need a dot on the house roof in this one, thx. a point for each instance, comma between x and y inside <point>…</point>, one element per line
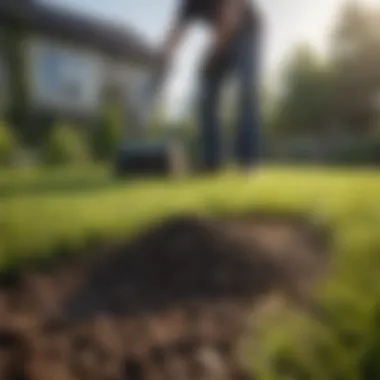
<point>109,38</point>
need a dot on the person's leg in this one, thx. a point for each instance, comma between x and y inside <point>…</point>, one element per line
<point>247,57</point>
<point>209,120</point>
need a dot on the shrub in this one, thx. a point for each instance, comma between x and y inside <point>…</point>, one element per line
<point>376,128</point>
<point>108,134</point>
<point>365,152</point>
<point>8,144</point>
<point>66,145</point>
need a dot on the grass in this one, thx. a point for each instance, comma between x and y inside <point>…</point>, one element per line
<point>45,212</point>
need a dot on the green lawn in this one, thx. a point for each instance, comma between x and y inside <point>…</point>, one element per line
<point>46,212</point>
<point>42,211</point>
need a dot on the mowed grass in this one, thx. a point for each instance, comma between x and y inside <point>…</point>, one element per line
<point>47,212</point>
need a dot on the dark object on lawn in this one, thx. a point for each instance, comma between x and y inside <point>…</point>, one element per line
<point>141,158</point>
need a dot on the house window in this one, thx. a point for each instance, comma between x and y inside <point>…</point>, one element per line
<point>65,77</point>
<point>64,74</point>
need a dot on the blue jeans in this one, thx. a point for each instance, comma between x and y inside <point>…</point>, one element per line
<point>242,60</point>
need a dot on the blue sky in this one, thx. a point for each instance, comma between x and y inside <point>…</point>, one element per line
<point>288,22</point>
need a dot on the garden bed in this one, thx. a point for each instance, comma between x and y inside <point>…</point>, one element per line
<point>176,301</point>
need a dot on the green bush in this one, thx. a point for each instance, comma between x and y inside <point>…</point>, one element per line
<point>8,144</point>
<point>365,152</point>
<point>66,145</point>
<point>359,151</point>
<point>376,128</point>
<point>108,134</point>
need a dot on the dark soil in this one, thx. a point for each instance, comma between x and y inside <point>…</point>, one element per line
<point>174,303</point>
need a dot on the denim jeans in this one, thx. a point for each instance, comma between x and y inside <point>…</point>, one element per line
<point>241,59</point>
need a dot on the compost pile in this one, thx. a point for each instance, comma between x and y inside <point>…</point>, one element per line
<point>174,303</point>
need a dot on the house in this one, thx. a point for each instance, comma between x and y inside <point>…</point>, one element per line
<point>70,64</point>
<point>3,78</point>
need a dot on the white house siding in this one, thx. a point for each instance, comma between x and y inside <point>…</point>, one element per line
<point>139,79</point>
<point>128,77</point>
<point>64,77</point>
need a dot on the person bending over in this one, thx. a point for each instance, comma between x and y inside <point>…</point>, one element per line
<point>235,50</point>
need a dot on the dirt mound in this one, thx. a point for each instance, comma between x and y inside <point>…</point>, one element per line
<point>173,303</point>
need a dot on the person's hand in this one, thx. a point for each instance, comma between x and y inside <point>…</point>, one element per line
<point>214,63</point>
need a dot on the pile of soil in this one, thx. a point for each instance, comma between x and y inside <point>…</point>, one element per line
<point>174,303</point>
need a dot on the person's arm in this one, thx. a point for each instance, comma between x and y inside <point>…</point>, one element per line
<point>159,74</point>
<point>174,38</point>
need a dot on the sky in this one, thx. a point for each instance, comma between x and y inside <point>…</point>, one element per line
<point>288,22</point>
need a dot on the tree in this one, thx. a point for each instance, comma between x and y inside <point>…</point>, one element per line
<point>304,105</point>
<point>8,144</point>
<point>66,145</point>
<point>355,57</point>
<point>344,90</point>
<point>15,60</point>
<point>108,133</point>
